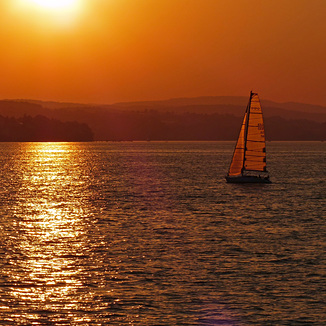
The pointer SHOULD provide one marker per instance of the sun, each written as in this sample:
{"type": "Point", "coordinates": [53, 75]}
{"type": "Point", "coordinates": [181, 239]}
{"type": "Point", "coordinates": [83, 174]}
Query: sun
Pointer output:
{"type": "Point", "coordinates": [56, 4]}
{"type": "Point", "coordinates": [61, 14]}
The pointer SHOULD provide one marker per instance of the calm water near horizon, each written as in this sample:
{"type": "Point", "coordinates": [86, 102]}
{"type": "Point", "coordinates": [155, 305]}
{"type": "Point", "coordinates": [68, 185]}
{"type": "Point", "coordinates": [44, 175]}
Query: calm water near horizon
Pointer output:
{"type": "Point", "coordinates": [149, 233]}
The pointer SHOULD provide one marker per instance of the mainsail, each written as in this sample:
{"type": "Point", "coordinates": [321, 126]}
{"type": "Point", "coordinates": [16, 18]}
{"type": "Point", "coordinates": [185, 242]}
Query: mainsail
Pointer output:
{"type": "Point", "coordinates": [250, 150]}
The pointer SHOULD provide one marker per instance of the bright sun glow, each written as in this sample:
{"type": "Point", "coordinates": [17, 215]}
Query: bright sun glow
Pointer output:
{"type": "Point", "coordinates": [57, 14]}
{"type": "Point", "coordinates": [56, 4]}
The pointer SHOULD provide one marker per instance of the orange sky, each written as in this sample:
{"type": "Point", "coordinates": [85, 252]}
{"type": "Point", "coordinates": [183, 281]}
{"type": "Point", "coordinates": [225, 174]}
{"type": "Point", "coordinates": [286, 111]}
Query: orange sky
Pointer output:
{"type": "Point", "coordinates": [104, 51]}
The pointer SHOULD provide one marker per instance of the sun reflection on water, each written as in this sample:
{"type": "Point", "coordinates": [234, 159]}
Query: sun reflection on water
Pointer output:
{"type": "Point", "coordinates": [50, 234]}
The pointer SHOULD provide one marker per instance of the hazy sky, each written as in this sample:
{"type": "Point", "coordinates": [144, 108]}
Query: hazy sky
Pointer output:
{"type": "Point", "coordinates": [104, 51]}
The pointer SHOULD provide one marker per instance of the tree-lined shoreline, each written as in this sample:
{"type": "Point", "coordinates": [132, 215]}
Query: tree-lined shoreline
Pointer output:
{"type": "Point", "coordinates": [205, 118]}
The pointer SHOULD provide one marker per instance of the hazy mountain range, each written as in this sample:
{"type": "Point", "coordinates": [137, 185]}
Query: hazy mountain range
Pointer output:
{"type": "Point", "coordinates": [200, 118]}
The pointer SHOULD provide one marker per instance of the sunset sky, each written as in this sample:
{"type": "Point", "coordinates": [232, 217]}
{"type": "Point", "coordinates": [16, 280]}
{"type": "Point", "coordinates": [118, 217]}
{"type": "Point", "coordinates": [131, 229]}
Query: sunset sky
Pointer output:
{"type": "Point", "coordinates": [105, 51]}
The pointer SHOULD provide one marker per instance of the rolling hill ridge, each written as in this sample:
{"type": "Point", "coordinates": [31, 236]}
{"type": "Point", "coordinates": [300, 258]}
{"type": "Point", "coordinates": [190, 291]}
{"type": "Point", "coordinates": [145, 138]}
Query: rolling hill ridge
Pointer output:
{"type": "Point", "coordinates": [201, 118]}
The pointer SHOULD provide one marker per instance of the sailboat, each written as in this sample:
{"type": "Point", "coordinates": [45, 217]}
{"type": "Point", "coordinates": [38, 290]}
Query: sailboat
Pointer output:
{"type": "Point", "coordinates": [248, 163]}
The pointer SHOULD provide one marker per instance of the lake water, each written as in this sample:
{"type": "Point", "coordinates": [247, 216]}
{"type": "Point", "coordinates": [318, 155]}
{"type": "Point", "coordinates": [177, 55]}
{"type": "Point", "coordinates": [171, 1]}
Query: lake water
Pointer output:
{"type": "Point", "coordinates": [149, 233]}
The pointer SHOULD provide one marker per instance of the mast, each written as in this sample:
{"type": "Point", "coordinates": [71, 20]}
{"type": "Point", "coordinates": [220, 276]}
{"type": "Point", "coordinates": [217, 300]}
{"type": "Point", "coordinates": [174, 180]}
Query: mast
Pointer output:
{"type": "Point", "coordinates": [249, 156]}
{"type": "Point", "coordinates": [246, 132]}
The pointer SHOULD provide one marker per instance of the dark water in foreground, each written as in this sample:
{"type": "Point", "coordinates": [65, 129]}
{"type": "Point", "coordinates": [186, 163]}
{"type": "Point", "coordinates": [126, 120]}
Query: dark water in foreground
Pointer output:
{"type": "Point", "coordinates": [150, 234]}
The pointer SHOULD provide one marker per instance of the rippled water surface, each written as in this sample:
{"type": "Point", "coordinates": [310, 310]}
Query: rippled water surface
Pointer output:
{"type": "Point", "coordinates": [150, 234]}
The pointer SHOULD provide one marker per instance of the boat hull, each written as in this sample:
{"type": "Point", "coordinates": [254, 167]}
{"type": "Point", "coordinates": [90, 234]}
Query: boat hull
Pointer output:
{"type": "Point", "coordinates": [247, 179]}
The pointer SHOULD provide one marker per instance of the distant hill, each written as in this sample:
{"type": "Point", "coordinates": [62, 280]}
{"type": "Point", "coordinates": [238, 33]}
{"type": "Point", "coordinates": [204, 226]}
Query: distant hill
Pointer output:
{"type": "Point", "coordinates": [189, 101]}
{"type": "Point", "coordinates": [202, 105]}
{"type": "Point", "coordinates": [50, 104]}
{"type": "Point", "coordinates": [292, 106]}
{"type": "Point", "coordinates": [200, 118]}
{"type": "Point", "coordinates": [40, 129]}
{"type": "Point", "coordinates": [203, 101]}
{"type": "Point", "coordinates": [222, 101]}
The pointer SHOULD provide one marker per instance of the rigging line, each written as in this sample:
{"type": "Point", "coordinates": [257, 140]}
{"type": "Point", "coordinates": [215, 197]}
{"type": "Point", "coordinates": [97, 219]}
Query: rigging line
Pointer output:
{"type": "Point", "coordinates": [255, 162]}
{"type": "Point", "coordinates": [247, 115]}
{"type": "Point", "coordinates": [256, 156]}
{"type": "Point", "coordinates": [256, 149]}
{"type": "Point", "coordinates": [253, 126]}
{"type": "Point", "coordinates": [253, 157]}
